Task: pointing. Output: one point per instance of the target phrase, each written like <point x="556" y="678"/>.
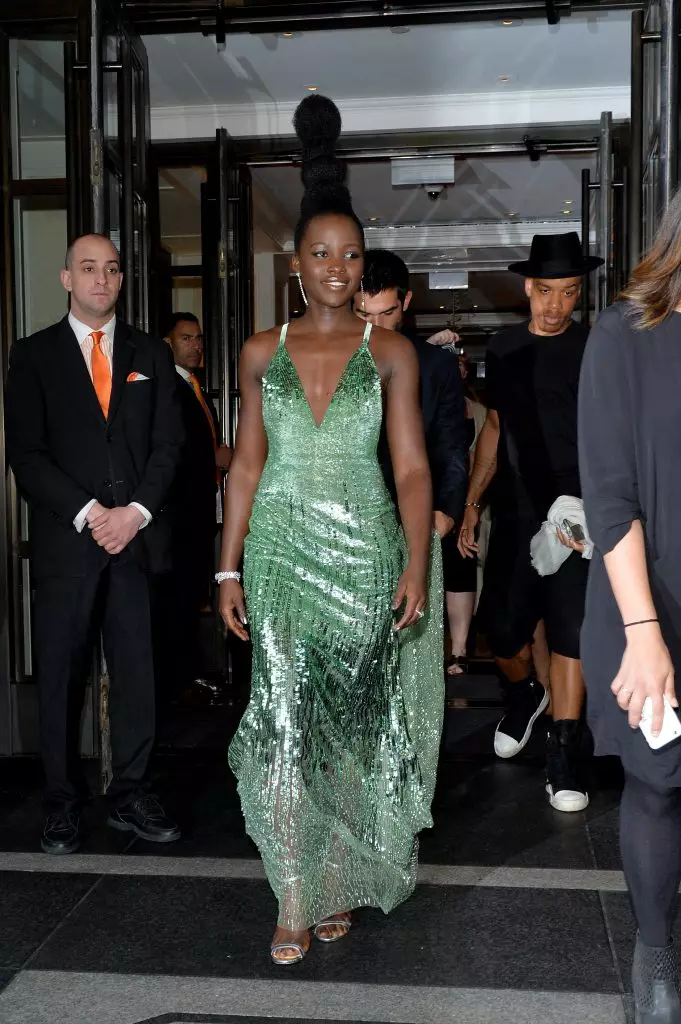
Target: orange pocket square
<point x="132" y="377"/>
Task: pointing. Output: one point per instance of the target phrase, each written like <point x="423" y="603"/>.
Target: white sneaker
<point x="515" y="728"/>
<point x="567" y="800"/>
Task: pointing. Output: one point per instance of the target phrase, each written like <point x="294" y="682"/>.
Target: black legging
<point x="650" y="842"/>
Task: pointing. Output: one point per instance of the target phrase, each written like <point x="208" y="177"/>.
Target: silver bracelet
<point x="220" y="576"/>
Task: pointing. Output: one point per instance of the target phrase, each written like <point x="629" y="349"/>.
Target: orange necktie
<point x="204" y="405"/>
<point x="211" y="422"/>
<point x="101" y="372"/>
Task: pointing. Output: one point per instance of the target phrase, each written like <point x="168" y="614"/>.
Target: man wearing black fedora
<point x="529" y="444"/>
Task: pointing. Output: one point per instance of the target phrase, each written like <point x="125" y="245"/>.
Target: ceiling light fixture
<point x="567" y="212"/>
<point x="568" y="202"/>
<point x="287" y="35"/>
<point x="373" y="219"/>
<point x="513" y="214"/>
<point x="507" y="21"/>
<point x="442" y="307"/>
<point x="503" y="79"/>
<point x="312" y="88"/>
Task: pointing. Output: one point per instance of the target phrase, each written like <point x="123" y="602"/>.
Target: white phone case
<point x="671" y="726"/>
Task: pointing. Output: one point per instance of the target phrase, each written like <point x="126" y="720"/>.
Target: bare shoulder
<point x="392" y="351"/>
<point x="258" y="350"/>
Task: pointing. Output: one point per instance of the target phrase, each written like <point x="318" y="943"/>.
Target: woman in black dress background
<point x="461" y="574"/>
<point x="630" y="459"/>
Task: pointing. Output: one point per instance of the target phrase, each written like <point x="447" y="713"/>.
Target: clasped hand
<point x="114" y="528"/>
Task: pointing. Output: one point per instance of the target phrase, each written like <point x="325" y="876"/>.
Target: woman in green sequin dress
<point x="336" y="754"/>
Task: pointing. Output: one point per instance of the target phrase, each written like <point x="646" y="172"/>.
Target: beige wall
<point x="40" y="246"/>
<point x="188" y="296"/>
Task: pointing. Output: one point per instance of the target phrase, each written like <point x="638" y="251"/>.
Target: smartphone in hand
<point x="573" y="531"/>
<point x="671" y="726"/>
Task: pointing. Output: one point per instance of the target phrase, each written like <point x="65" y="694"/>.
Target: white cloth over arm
<point x="547" y="551"/>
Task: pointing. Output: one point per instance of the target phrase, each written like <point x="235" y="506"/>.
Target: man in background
<point x="383" y="301"/>
<point x="529" y="442"/>
<point x="195" y="511"/>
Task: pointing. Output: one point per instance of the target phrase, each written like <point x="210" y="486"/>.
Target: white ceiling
<point x="582" y="51"/>
<point x="485" y="190"/>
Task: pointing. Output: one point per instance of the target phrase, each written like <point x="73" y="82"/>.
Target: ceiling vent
<point x="435" y="171"/>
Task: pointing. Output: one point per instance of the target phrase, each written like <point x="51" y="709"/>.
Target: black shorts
<point x="515" y="597"/>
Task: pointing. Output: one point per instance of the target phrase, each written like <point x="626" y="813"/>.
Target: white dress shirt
<point x="85" y="340"/>
<point x="186" y="375"/>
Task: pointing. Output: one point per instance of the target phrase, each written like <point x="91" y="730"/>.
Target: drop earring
<point x="302" y="290"/>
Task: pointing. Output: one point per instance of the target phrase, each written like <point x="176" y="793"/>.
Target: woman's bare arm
<point x="404" y="423"/>
<point x="250" y="453"/>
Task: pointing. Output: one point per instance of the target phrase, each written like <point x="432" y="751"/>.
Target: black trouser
<point x="179" y="597"/>
<point x="514" y="597"/>
<point x="68" y="613"/>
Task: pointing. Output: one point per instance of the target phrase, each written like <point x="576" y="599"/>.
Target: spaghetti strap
<point x="367" y="335"/>
<point x="282" y="336"/>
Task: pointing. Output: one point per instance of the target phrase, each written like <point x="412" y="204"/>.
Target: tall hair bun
<point x="317" y="124"/>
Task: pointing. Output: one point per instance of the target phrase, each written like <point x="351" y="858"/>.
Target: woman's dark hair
<point x="317" y="122"/>
<point x="654" y="288"/>
<point x="384" y="270"/>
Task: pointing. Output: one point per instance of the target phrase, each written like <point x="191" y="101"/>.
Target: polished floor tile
<point x="33" y="906"/>
<point x="5" y="978"/>
<point x="603" y="828"/>
<point x="217" y="1018"/>
<point x="500" y="815"/>
<point x="459" y="936"/>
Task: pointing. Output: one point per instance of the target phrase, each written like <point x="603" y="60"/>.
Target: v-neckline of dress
<point x="318" y="426"/>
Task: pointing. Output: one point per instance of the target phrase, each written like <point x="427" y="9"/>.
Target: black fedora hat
<point x="553" y="256"/>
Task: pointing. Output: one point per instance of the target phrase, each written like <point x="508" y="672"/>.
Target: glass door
<point x="230" y="275"/>
<point x="34" y="225"/>
<point x="74" y="120"/>
<point x="121" y="136"/>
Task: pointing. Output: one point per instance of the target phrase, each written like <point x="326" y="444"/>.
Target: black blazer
<point x="444" y="421"/>
<point x="64" y="452"/>
<point x="192" y="497"/>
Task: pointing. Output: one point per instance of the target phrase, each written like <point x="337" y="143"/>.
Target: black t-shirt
<point x="532" y="382"/>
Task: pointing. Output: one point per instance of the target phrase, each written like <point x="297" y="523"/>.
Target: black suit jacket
<point x="192" y="499"/>
<point x="64" y="452"/>
<point x="444" y="421"/>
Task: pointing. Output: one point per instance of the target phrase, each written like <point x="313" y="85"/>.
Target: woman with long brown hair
<point x="630" y="457"/>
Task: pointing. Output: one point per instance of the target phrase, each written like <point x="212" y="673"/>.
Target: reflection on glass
<point x="114" y="194"/>
<point x="110" y="89"/>
<point x="179" y="192"/>
<point x="37" y="108"/>
<point x="40" y="240"/>
<point x="141" y="264"/>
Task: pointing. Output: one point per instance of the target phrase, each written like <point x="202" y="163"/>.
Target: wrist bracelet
<point x="640" y="622"/>
<point x="472" y="504"/>
<point x="220" y="576"/>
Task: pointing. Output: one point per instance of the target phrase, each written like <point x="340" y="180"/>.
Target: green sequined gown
<point x="336" y="754"/>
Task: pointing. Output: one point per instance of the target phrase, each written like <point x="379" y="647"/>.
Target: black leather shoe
<point x="145" y="816"/>
<point x="61" y="833"/>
